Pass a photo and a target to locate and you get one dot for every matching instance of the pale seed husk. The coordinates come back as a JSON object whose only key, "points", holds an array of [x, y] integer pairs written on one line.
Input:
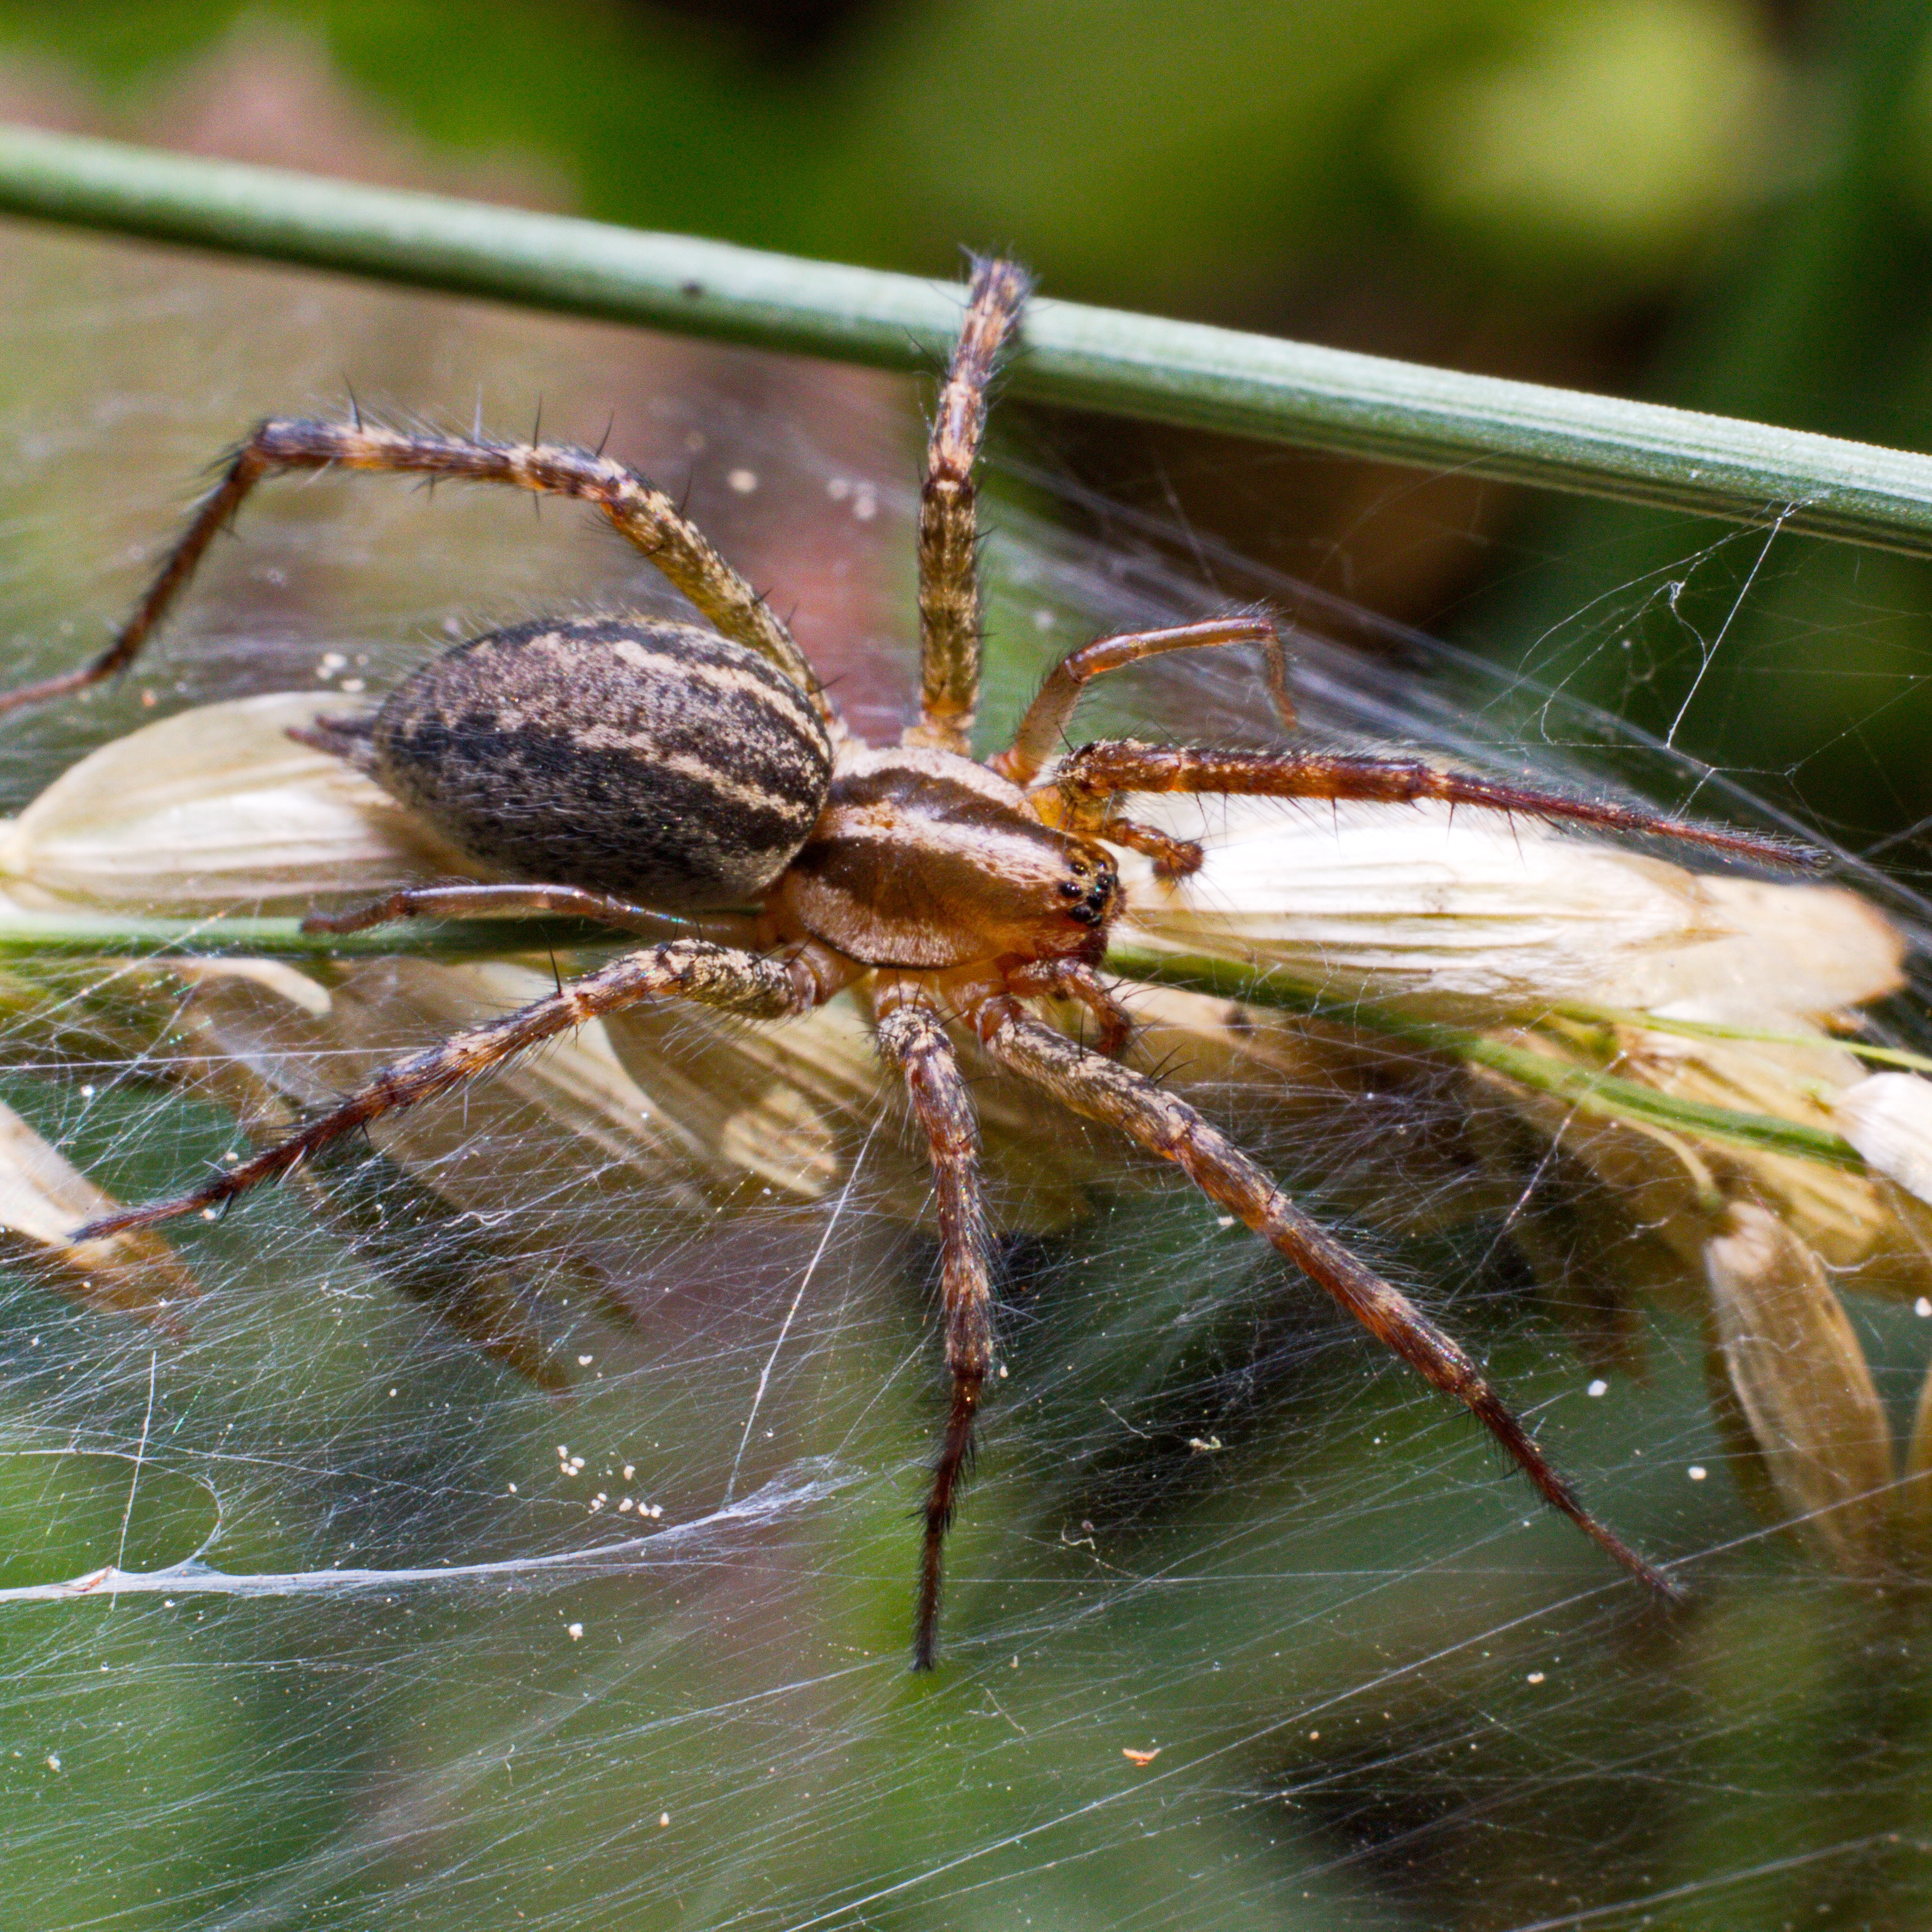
{"points": [[212, 810], [43, 1198], [1888, 1117], [1913, 1511], [1798, 1375], [1472, 918]]}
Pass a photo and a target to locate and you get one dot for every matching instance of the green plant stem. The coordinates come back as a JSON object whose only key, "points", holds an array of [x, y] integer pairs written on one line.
{"points": [[1627, 1016], [1603, 1096], [96, 935], [1600, 1096], [1091, 358]]}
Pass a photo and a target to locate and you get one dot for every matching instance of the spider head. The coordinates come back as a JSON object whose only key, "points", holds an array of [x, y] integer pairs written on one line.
{"points": [[1090, 892]]}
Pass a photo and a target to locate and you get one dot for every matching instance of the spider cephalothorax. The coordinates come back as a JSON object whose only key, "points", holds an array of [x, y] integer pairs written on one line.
{"points": [[624, 768]]}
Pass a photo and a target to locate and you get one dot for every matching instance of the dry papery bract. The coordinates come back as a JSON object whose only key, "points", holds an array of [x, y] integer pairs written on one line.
{"points": [[1593, 958], [43, 1197], [1730, 993]]}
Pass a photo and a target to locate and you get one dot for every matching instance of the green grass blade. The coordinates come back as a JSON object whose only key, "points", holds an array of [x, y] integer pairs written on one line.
{"points": [[108, 935], [1095, 358]]}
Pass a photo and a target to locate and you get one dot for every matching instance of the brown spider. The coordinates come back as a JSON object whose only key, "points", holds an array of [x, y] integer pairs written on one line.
{"points": [[623, 767]]}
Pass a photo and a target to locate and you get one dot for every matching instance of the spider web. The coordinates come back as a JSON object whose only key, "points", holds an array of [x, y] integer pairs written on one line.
{"points": [[316, 1613]]}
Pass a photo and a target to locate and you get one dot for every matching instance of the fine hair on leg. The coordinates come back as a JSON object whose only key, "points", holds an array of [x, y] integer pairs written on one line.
{"points": [[1081, 792], [949, 564], [912, 1038], [641, 513]]}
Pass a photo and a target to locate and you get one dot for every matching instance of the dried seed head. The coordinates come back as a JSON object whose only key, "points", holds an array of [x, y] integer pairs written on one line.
{"points": [[1476, 921], [1468, 917], [42, 1197], [1888, 1117], [675, 1108], [211, 812]]}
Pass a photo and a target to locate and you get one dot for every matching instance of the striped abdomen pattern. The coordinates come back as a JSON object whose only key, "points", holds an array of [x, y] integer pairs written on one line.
{"points": [[656, 761]]}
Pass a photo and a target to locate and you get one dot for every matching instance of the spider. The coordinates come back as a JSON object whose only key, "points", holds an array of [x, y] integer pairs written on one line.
{"points": [[624, 768]]}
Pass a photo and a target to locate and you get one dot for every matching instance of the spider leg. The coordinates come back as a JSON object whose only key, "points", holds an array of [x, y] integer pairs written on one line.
{"points": [[948, 582], [747, 983], [509, 901], [1166, 1125], [641, 513], [1080, 794], [912, 1038], [1039, 736]]}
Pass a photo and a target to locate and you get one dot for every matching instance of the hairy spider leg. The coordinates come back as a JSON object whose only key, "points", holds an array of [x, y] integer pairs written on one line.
{"points": [[641, 513], [949, 570], [1079, 796], [751, 985], [912, 1038], [1039, 735], [513, 902], [1166, 1125]]}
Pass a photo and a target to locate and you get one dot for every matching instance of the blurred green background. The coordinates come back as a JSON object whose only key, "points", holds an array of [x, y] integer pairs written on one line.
{"points": [[1726, 204]]}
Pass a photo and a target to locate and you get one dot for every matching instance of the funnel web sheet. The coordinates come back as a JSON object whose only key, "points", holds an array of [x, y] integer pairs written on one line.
{"points": [[510, 1520]]}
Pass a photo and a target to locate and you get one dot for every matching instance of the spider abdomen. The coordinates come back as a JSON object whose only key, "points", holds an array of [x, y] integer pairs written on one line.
{"points": [[655, 761]]}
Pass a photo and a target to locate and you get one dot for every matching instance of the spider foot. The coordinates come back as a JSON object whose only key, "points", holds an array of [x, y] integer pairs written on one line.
{"points": [[955, 1458], [22, 695], [212, 1194]]}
